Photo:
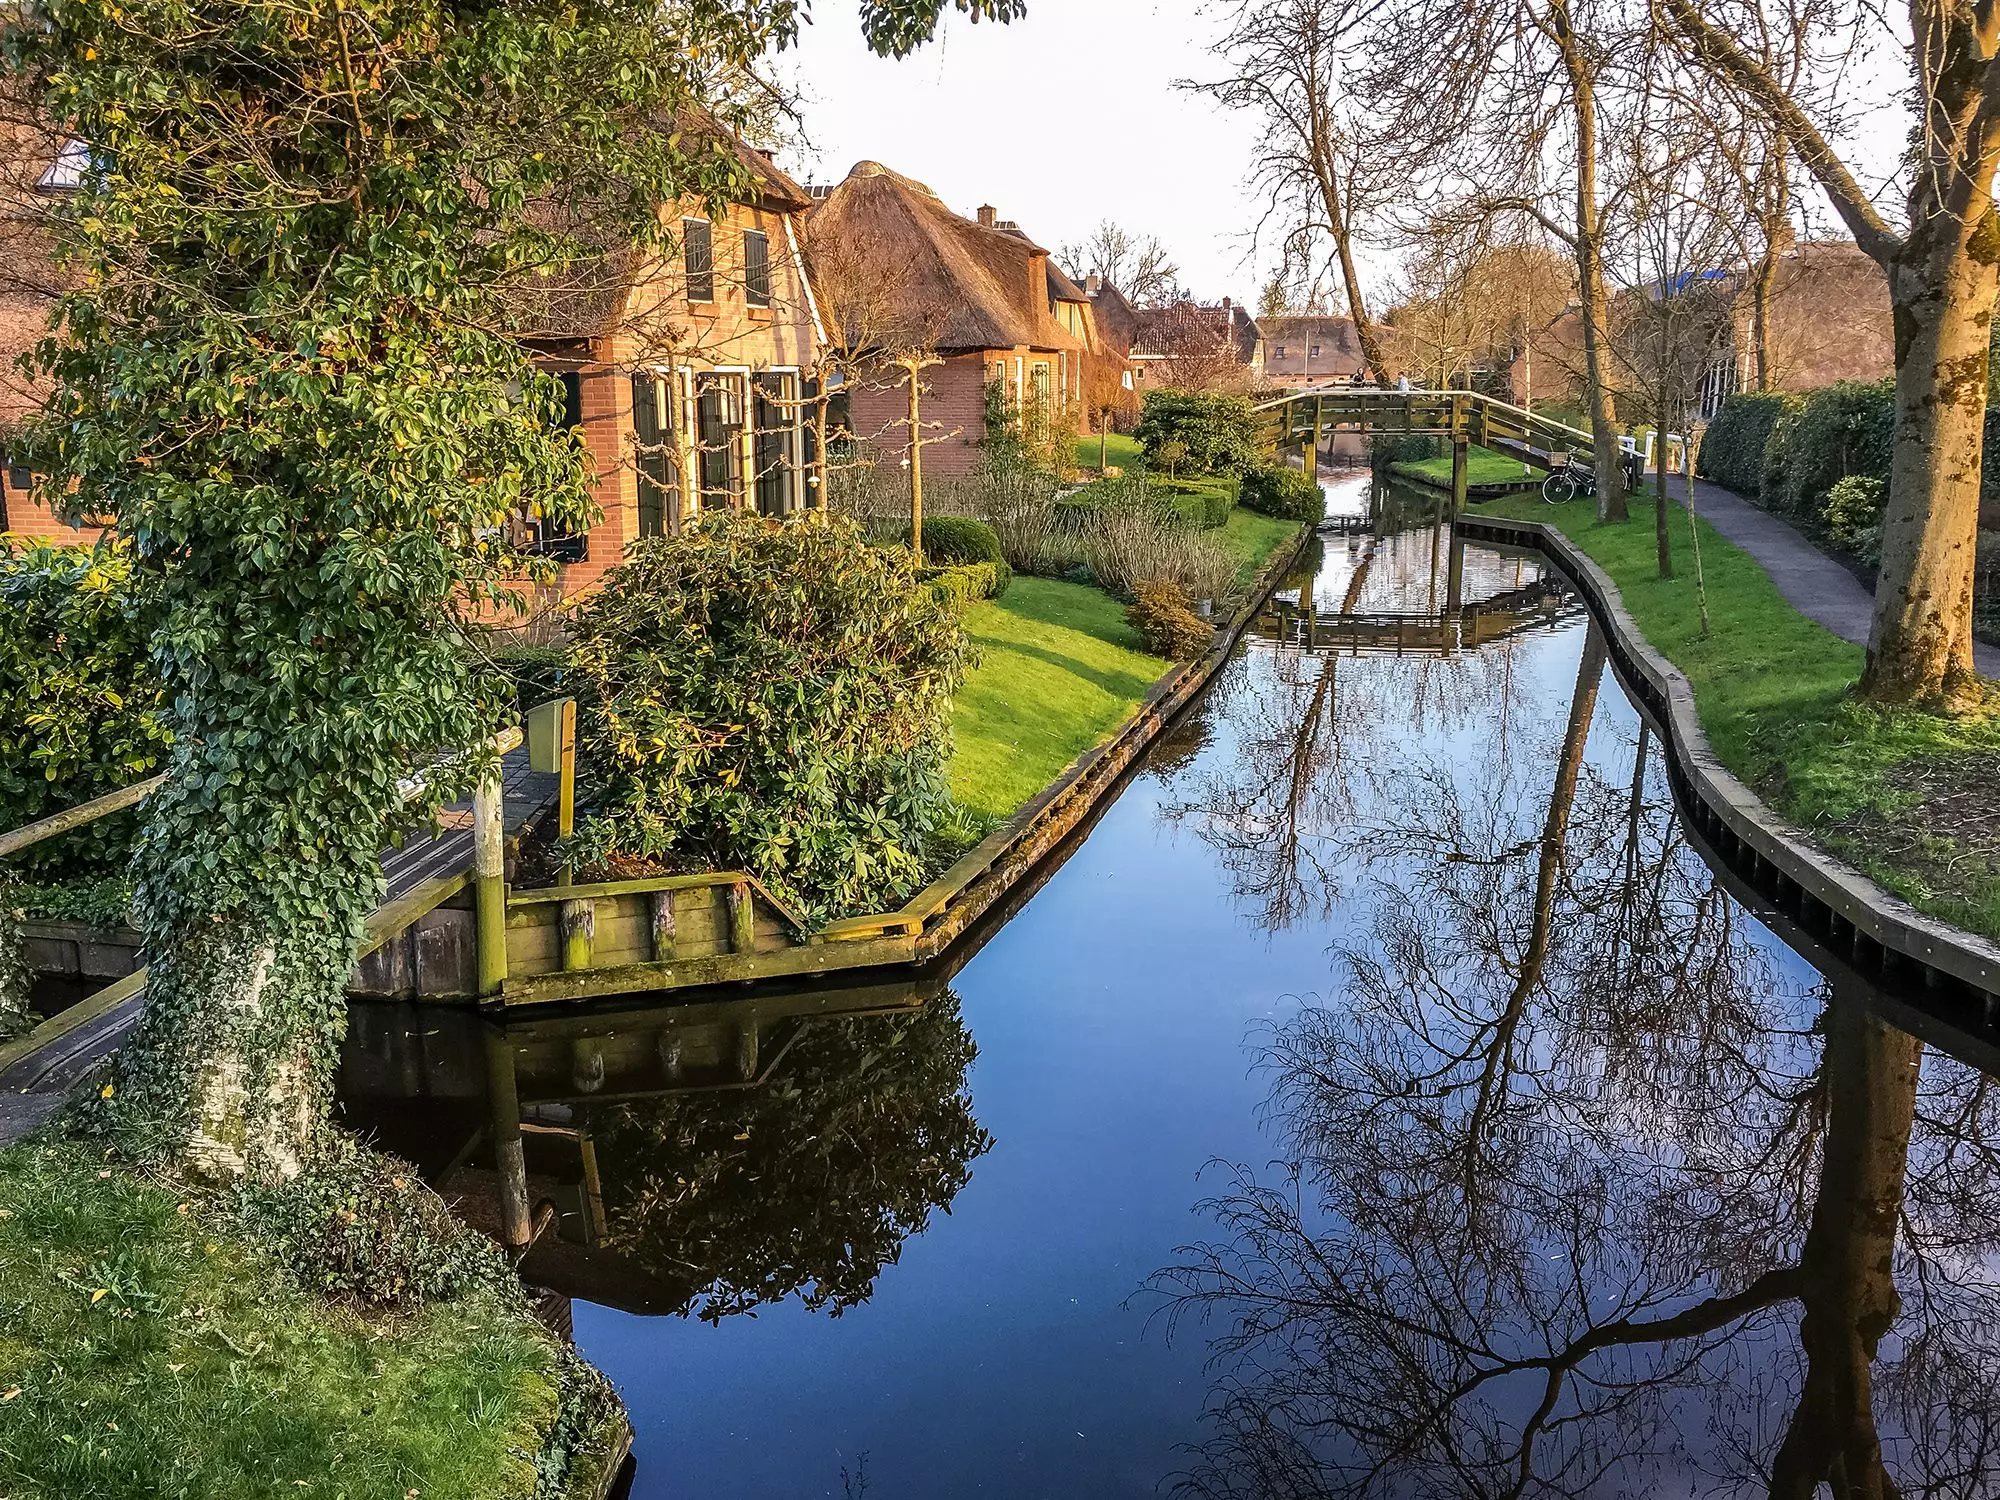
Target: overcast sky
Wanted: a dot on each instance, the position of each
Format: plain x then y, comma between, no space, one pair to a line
1071,115
1058,120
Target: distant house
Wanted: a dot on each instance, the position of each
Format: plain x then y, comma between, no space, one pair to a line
1190,346
687,373
976,292
1310,349
1830,321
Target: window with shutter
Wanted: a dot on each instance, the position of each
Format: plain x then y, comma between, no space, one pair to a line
698,249
756,268
652,435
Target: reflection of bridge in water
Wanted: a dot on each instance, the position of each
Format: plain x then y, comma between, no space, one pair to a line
1410,587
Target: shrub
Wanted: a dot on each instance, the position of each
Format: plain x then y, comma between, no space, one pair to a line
1159,611
81,710
1128,546
1852,515
958,539
1285,493
773,697
1217,433
1732,451
1841,429
968,583
364,1227
1385,448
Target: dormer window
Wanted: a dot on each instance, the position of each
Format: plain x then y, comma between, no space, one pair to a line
65,173
698,251
756,268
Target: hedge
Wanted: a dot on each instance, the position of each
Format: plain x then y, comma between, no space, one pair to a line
1216,434
1287,494
1732,452
968,583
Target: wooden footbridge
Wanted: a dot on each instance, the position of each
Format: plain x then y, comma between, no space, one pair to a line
1305,420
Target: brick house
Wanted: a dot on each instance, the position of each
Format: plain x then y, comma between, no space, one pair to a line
39,167
687,373
1189,346
1311,349
978,293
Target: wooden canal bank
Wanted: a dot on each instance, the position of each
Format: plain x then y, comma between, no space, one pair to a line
494,944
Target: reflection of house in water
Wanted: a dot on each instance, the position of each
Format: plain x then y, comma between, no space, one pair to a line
705,1156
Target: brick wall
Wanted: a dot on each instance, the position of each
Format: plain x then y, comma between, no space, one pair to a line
955,399
607,421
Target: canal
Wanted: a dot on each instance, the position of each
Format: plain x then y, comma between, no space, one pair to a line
1385,1097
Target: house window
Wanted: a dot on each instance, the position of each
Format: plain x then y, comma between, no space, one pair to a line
1313,353
774,411
756,268
719,432
698,249
653,442
1281,351
548,537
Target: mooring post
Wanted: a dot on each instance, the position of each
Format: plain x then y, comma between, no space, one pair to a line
1319,426
503,1100
489,874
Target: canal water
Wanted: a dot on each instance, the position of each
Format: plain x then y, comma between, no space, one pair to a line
1385,1097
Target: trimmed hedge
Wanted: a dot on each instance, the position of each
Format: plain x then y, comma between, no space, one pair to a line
957,539
1732,452
1288,494
968,583
1837,430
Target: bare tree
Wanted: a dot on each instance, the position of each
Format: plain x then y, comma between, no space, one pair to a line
1138,265
1326,168
1943,265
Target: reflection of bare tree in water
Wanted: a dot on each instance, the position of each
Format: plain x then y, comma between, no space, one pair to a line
1319,740
1582,1201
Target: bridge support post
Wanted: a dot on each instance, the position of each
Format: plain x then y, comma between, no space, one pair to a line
503,1101
1454,578
1319,426
489,874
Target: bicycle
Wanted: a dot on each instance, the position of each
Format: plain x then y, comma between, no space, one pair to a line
1569,481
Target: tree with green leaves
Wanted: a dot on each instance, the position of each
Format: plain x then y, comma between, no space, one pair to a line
288,367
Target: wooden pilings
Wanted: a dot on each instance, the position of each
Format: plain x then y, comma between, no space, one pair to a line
503,1102
489,881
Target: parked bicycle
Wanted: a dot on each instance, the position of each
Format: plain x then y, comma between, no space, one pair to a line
1569,480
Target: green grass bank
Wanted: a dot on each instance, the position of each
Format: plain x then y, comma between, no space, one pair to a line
148,1351
1910,798
1482,466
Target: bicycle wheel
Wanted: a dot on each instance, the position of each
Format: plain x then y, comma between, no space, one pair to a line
1558,487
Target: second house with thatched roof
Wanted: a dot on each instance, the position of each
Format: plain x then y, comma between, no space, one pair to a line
896,271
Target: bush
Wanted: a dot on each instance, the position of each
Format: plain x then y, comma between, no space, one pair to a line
772,697
1287,494
1732,451
1838,430
364,1227
968,583
81,709
958,539
1126,547
1852,515
1217,434
1385,448
1159,611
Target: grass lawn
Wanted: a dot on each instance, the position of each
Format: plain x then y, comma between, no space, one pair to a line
1902,795
1120,451
1482,466
1059,668
1250,538
145,1353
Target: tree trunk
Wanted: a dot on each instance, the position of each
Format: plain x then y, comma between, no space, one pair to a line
1941,288
1760,314
1660,543
916,462
819,450
1848,1264
1590,271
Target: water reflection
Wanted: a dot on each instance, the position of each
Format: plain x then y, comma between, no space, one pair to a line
1585,1183
698,1159
1576,1194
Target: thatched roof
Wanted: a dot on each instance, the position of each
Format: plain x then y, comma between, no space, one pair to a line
1336,336
979,288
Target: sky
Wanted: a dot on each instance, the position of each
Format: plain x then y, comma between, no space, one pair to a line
1058,120
1071,115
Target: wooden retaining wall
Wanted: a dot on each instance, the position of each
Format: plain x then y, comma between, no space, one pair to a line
1880,934
686,932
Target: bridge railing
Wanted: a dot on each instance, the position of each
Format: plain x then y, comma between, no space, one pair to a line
1304,416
